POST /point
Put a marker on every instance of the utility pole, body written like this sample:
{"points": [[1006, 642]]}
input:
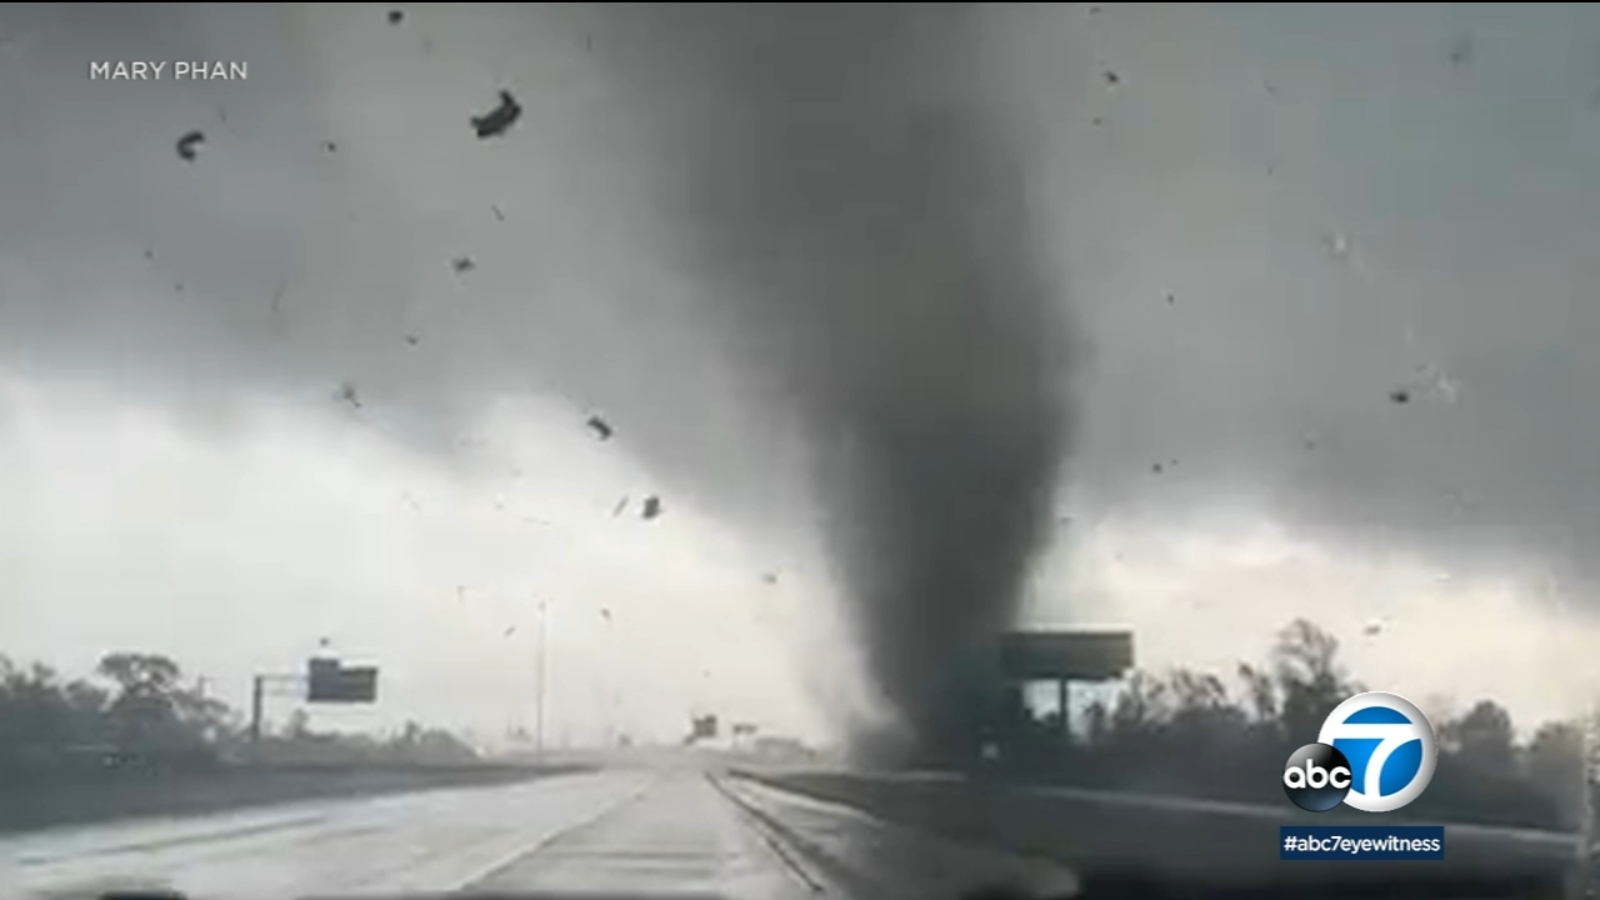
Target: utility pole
{"points": [[538, 728]]}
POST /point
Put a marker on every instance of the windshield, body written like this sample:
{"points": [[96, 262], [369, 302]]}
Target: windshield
{"points": [[769, 450]]}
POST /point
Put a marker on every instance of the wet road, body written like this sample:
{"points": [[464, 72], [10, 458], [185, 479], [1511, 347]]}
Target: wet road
{"points": [[661, 832]]}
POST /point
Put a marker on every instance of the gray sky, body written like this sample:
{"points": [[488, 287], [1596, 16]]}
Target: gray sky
{"points": [[1340, 203]]}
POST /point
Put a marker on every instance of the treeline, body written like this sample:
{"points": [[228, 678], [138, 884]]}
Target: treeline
{"points": [[139, 712], [1197, 734]]}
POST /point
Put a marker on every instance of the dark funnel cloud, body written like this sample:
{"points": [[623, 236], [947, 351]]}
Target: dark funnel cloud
{"points": [[839, 177]]}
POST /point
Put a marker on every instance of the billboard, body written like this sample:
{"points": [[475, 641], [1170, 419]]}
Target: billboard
{"points": [[1066, 655]]}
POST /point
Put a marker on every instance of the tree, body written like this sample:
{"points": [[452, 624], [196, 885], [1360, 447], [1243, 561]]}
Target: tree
{"points": [[1555, 767], [154, 713], [1204, 715], [43, 721], [1310, 680], [1484, 738]]}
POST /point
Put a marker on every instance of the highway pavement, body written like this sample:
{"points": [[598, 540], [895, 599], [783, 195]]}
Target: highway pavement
{"points": [[675, 833], [680, 832]]}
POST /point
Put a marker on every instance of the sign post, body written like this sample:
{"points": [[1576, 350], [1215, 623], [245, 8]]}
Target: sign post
{"points": [[326, 681]]}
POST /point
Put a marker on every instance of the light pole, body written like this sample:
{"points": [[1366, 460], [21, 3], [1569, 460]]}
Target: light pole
{"points": [[538, 727]]}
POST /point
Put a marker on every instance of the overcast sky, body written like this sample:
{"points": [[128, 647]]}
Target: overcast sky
{"points": [[1270, 223]]}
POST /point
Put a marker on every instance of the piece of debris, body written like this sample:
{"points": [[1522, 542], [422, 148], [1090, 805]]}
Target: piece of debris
{"points": [[330, 146], [1400, 395], [1171, 299], [347, 393], [770, 578], [621, 505], [149, 254], [588, 44], [413, 340], [1112, 78], [601, 428], [277, 297], [1461, 51], [396, 16], [498, 214], [178, 287], [1372, 628], [510, 631], [1094, 10], [462, 264], [1156, 468], [461, 592], [605, 614], [498, 120], [189, 145], [651, 508]]}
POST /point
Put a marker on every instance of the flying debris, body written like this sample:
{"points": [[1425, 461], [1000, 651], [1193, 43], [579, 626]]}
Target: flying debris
{"points": [[462, 264], [1461, 51], [770, 578], [1112, 78], [601, 428], [347, 393], [396, 16], [1171, 299], [621, 505], [651, 508], [413, 340], [1400, 395], [498, 213], [1372, 628], [605, 614], [1156, 468], [189, 145], [498, 120], [330, 146], [149, 254], [510, 631]]}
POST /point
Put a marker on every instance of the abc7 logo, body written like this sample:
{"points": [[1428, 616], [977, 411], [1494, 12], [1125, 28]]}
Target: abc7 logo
{"points": [[1394, 753], [1317, 777]]}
